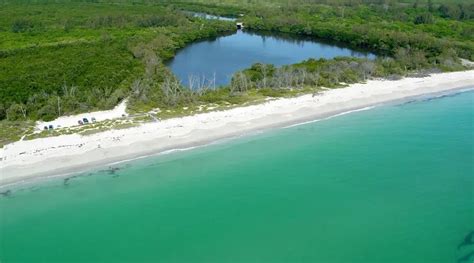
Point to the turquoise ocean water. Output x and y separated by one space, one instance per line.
390 184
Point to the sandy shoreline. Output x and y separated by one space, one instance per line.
71 153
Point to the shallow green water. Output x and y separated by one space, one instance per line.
391 184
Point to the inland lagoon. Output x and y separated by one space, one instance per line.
390 184
223 56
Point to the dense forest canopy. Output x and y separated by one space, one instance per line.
62 57
84 53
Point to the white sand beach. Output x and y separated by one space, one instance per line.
70 121
69 153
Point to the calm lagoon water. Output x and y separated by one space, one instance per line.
391 184
225 55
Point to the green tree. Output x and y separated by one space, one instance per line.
426 18
16 111
22 25
3 111
430 6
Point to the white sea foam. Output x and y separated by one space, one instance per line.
329 117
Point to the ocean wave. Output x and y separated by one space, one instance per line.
329 117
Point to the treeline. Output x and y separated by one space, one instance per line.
362 27
266 80
158 87
312 73
107 51
119 19
78 77
457 9
461 11
334 72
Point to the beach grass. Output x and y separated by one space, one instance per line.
11 131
